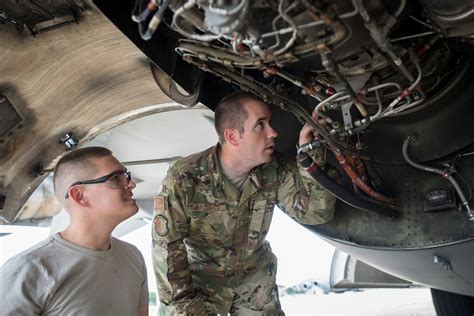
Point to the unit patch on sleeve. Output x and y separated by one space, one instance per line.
161 203
161 225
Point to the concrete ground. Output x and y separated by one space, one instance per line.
372 302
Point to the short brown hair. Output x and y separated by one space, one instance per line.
76 162
231 113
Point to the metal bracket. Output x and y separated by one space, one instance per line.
69 140
346 115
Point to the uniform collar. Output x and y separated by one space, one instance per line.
213 163
252 184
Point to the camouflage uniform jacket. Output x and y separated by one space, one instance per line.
204 226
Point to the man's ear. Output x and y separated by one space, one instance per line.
231 137
77 196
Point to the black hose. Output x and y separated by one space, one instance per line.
341 193
374 176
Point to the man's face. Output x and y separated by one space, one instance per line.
257 142
112 199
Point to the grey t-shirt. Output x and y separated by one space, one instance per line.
238 180
56 277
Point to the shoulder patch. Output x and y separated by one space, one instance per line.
160 203
161 225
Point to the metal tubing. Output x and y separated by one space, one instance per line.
440 172
380 38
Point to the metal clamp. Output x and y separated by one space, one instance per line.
309 146
69 140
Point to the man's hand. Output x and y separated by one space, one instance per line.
307 134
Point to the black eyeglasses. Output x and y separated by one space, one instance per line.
119 179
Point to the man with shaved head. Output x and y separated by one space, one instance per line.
215 209
82 270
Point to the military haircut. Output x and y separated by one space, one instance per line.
231 113
76 165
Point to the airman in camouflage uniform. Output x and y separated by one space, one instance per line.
209 248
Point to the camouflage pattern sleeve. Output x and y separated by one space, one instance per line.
301 197
170 227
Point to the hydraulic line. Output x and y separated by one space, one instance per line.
332 68
390 108
274 25
307 25
293 26
218 54
356 179
440 172
155 21
339 192
374 177
175 25
381 39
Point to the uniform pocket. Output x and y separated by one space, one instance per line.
211 221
